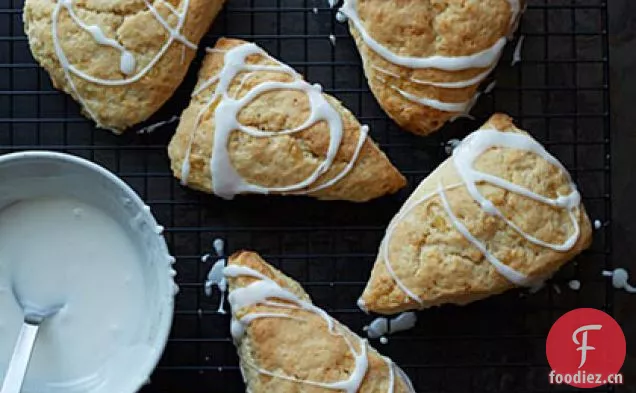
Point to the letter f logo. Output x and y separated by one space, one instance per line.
584 347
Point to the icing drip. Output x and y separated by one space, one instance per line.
620 279
215 275
127 60
262 292
381 326
226 181
128 63
463 158
153 127
487 59
516 56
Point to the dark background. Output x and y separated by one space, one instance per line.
622 44
573 91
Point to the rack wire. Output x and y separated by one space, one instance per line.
559 92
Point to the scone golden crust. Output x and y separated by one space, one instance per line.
417 53
120 60
286 344
293 139
426 260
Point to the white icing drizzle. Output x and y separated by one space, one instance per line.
226 181
433 103
128 64
153 127
463 158
262 292
487 59
481 59
620 279
448 85
478 143
516 56
127 60
491 86
332 39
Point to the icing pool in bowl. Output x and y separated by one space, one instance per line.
73 233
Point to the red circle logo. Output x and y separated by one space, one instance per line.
585 348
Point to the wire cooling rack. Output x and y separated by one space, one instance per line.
559 92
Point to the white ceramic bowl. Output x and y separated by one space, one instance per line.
29 175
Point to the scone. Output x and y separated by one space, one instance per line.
120 60
424 59
288 345
501 212
255 126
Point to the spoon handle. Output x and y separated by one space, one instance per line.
20 360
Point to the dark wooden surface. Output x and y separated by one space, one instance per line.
622 14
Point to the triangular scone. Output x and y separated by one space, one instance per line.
501 212
293 139
120 60
286 344
424 60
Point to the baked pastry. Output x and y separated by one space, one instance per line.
501 212
120 60
275 327
255 126
424 60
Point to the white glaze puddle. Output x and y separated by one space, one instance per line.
382 326
463 158
128 64
215 276
598 224
451 145
620 278
62 250
486 59
574 285
226 181
267 292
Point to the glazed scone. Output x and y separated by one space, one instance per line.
120 60
425 59
255 126
501 212
288 345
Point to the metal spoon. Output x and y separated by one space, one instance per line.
33 318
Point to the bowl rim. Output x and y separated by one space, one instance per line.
163 329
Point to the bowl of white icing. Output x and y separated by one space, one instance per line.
74 233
